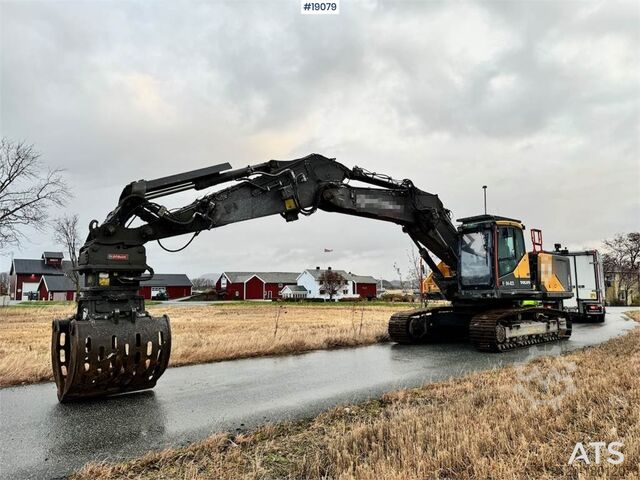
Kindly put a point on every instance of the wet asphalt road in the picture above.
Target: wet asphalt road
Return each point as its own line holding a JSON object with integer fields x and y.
{"x": 41, "y": 438}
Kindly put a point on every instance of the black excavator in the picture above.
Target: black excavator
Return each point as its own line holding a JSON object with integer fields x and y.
{"x": 113, "y": 345}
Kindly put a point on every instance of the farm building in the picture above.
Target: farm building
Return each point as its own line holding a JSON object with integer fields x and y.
{"x": 46, "y": 279}
{"x": 274, "y": 285}
{"x": 56, "y": 287}
{"x": 25, "y": 274}
{"x": 166, "y": 286}
{"x": 365, "y": 286}
{"x": 355, "y": 286}
{"x": 254, "y": 285}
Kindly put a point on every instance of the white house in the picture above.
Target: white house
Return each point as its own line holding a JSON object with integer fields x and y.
{"x": 310, "y": 280}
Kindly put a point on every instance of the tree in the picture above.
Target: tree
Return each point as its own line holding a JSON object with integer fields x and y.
{"x": 65, "y": 233}
{"x": 621, "y": 262}
{"x": 27, "y": 189}
{"x": 203, "y": 283}
{"x": 399, "y": 273}
{"x": 4, "y": 283}
{"x": 331, "y": 282}
{"x": 414, "y": 276}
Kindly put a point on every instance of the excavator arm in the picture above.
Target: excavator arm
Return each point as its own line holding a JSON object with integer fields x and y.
{"x": 113, "y": 345}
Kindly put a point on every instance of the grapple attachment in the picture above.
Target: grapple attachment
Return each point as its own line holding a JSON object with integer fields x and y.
{"x": 98, "y": 357}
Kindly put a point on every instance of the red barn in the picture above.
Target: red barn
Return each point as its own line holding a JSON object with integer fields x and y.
{"x": 254, "y": 285}
{"x": 167, "y": 286}
{"x": 56, "y": 287}
{"x": 365, "y": 286}
{"x": 26, "y": 273}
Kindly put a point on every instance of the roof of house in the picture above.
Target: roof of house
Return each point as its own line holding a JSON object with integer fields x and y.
{"x": 167, "y": 280}
{"x": 53, "y": 255}
{"x": 363, "y": 279}
{"x": 38, "y": 267}
{"x": 267, "y": 277}
{"x": 58, "y": 283}
{"x": 237, "y": 277}
{"x": 296, "y": 288}
{"x": 317, "y": 273}
{"x": 279, "y": 277}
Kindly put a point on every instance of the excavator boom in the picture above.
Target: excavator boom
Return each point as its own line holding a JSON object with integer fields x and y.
{"x": 286, "y": 188}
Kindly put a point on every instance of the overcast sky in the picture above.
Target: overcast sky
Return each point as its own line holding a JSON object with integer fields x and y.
{"x": 537, "y": 100}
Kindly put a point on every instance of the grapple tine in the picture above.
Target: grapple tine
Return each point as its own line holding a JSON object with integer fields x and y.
{"x": 100, "y": 357}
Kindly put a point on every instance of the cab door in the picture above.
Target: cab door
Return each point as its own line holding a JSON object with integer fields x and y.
{"x": 512, "y": 259}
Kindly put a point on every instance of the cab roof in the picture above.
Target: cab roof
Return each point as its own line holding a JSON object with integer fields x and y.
{"x": 480, "y": 219}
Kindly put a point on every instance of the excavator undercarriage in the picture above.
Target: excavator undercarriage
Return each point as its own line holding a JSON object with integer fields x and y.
{"x": 491, "y": 330}
{"x": 113, "y": 345}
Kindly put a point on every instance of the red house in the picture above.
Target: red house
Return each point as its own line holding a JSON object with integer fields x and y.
{"x": 166, "y": 286}
{"x": 26, "y": 273}
{"x": 254, "y": 285}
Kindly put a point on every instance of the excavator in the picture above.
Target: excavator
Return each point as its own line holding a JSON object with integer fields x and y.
{"x": 113, "y": 345}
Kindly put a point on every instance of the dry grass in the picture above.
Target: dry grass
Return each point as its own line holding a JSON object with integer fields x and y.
{"x": 477, "y": 427}
{"x": 202, "y": 333}
{"x": 635, "y": 314}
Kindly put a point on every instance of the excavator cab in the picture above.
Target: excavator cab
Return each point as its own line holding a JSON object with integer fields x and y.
{"x": 494, "y": 262}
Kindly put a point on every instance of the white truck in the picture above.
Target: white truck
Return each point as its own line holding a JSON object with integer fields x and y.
{"x": 587, "y": 278}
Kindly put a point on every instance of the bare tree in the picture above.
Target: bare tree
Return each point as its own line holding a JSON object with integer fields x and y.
{"x": 4, "y": 283}
{"x": 65, "y": 233}
{"x": 331, "y": 282}
{"x": 414, "y": 277}
{"x": 622, "y": 261}
{"x": 399, "y": 273}
{"x": 27, "y": 189}
{"x": 203, "y": 283}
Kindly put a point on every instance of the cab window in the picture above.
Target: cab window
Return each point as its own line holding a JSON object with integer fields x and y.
{"x": 475, "y": 260}
{"x": 520, "y": 249}
{"x": 508, "y": 246}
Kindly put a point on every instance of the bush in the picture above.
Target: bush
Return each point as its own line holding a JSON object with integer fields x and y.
{"x": 397, "y": 297}
{"x": 206, "y": 296}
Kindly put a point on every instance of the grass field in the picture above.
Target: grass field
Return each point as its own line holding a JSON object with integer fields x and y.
{"x": 480, "y": 426}
{"x": 203, "y": 333}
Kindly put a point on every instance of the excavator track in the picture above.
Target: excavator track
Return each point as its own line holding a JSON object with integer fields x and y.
{"x": 101, "y": 357}
{"x": 412, "y": 326}
{"x": 505, "y": 329}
